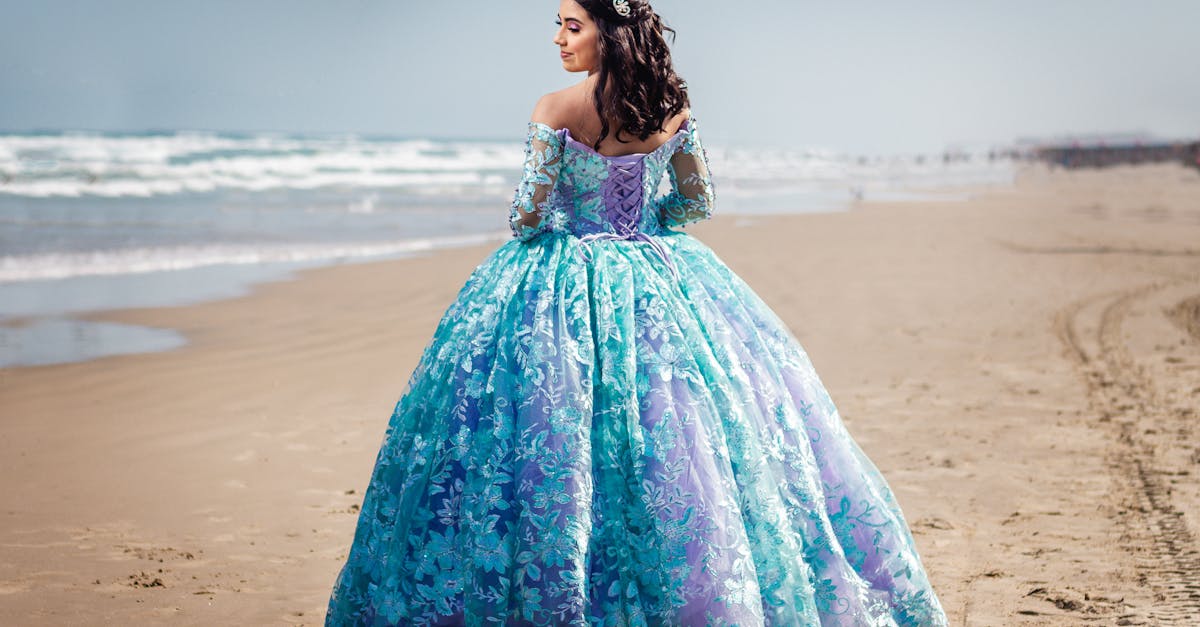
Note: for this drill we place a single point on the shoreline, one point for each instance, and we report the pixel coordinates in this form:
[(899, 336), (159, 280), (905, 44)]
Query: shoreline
[(46, 300), (967, 345), (54, 321)]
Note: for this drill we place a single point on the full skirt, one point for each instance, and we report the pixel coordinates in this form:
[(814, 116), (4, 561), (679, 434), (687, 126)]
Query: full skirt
[(599, 442)]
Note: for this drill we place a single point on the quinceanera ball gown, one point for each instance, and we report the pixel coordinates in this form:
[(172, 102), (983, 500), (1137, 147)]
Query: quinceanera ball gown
[(609, 427)]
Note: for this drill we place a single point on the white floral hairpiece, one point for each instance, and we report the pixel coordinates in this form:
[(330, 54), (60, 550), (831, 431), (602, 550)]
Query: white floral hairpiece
[(621, 7)]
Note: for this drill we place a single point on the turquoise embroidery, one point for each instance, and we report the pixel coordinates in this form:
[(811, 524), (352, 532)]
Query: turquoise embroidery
[(601, 442)]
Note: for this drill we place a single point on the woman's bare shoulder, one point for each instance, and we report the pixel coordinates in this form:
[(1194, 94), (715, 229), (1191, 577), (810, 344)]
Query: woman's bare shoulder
[(558, 109), (677, 121), (546, 110)]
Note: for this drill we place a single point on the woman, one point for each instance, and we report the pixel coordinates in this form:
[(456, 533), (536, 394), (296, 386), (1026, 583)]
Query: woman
[(609, 427)]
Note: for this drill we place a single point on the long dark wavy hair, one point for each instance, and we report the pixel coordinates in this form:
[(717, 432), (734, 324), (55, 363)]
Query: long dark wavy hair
[(637, 86)]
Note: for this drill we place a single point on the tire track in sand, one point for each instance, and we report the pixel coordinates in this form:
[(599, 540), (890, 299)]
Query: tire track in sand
[(1153, 529)]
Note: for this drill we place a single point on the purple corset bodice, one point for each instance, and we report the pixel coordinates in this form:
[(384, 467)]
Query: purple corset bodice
[(610, 197), (568, 188), (622, 193)]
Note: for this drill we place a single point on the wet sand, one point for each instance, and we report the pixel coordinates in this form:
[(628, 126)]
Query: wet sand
[(1024, 367)]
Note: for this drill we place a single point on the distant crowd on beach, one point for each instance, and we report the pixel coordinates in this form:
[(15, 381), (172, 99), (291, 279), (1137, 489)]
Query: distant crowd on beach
[(1102, 155)]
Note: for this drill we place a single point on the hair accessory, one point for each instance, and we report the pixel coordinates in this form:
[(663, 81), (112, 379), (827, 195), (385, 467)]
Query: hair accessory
[(621, 7)]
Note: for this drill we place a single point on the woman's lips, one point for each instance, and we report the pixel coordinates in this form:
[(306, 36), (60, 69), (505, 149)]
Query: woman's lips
[(564, 54)]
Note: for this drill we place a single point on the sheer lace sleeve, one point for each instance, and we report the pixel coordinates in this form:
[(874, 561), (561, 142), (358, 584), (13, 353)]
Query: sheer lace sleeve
[(530, 212), (691, 197)]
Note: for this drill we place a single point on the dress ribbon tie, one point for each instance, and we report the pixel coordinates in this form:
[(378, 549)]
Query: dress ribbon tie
[(587, 240)]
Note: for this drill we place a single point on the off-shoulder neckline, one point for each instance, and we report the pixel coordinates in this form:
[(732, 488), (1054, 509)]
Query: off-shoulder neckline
[(683, 127)]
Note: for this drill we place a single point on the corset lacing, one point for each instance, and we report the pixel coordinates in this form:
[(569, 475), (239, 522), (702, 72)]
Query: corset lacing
[(624, 197)]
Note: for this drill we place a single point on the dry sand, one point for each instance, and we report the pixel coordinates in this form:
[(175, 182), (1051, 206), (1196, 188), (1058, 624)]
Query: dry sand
[(1024, 367)]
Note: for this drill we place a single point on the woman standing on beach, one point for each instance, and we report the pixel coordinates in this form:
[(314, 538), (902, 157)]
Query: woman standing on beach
[(609, 427)]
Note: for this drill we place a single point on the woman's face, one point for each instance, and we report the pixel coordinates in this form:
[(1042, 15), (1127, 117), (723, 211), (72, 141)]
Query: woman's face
[(578, 38)]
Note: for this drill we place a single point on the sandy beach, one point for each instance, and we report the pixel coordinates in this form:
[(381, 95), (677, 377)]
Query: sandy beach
[(1023, 366)]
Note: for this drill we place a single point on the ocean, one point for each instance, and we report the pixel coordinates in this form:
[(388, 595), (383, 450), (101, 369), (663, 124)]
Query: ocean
[(99, 221)]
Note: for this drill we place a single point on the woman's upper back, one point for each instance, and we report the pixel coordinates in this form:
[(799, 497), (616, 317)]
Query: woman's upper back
[(572, 109), (568, 186)]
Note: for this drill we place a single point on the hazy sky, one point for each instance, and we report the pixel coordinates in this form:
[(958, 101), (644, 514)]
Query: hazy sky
[(868, 76)]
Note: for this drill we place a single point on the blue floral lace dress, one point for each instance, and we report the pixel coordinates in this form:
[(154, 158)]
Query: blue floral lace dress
[(609, 427)]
